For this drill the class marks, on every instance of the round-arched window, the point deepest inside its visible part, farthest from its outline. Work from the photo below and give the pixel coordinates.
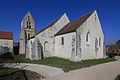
(46, 48)
(88, 37)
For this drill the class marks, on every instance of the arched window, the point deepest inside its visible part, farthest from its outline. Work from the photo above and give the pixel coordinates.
(87, 36)
(46, 46)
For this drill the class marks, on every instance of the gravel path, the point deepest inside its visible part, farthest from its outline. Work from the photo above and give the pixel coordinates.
(106, 71)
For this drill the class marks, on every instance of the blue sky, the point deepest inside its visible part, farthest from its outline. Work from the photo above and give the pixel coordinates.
(44, 11)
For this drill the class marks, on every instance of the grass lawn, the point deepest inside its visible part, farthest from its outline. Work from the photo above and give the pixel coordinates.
(17, 74)
(65, 64)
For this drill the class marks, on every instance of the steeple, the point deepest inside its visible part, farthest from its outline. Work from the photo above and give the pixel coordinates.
(28, 12)
(27, 21)
(27, 31)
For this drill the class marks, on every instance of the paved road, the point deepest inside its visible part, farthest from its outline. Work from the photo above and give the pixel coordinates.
(107, 71)
(46, 71)
(117, 58)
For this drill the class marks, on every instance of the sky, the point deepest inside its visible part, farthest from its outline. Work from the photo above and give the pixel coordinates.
(45, 11)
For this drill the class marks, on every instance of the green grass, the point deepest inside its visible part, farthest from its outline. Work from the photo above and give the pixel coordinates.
(4, 71)
(65, 64)
(17, 74)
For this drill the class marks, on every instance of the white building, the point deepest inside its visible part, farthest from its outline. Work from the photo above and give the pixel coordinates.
(6, 41)
(75, 40)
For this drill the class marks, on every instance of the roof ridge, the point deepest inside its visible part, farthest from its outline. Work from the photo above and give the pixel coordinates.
(6, 31)
(84, 15)
(49, 25)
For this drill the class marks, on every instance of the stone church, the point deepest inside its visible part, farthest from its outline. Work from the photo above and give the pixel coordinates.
(75, 40)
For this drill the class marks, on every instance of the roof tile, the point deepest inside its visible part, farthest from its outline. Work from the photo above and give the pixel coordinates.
(6, 35)
(73, 25)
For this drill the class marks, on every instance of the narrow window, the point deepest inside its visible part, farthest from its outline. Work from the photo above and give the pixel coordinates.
(62, 41)
(27, 22)
(28, 18)
(99, 41)
(96, 44)
(29, 25)
(87, 37)
(28, 35)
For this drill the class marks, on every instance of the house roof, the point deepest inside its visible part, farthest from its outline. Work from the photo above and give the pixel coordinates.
(6, 35)
(49, 25)
(73, 25)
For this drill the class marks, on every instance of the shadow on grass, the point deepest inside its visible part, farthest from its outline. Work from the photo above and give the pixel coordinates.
(16, 75)
(7, 58)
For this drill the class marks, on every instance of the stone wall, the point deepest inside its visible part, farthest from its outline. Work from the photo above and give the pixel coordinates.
(47, 38)
(66, 48)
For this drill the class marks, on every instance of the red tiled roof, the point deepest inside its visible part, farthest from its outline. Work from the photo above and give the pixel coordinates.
(6, 35)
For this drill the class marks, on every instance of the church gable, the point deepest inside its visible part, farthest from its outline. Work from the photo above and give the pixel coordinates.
(90, 37)
(92, 24)
(63, 21)
(98, 23)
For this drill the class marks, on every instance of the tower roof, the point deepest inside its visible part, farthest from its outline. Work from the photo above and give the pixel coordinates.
(27, 14)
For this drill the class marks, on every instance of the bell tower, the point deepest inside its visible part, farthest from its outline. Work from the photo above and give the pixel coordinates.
(27, 31)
